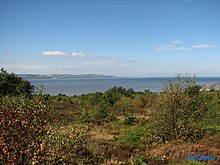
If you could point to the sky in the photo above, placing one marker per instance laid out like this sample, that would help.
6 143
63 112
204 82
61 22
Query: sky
127 38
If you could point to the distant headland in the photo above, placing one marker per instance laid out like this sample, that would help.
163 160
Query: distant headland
62 76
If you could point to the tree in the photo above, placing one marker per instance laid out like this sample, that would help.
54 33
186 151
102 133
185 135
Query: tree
115 93
11 84
178 112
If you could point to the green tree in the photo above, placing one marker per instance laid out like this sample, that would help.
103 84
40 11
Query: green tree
11 84
114 94
178 112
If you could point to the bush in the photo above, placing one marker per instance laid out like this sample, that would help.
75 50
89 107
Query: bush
68 145
124 105
97 114
26 139
179 112
212 122
113 95
22 129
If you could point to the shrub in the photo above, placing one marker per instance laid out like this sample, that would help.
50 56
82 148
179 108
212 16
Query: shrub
113 95
178 113
139 102
68 145
22 129
124 105
212 122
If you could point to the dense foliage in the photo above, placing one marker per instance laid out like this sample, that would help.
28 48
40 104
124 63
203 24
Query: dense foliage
180 111
22 129
11 84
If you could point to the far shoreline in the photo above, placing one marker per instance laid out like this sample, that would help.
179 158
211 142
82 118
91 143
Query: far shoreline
78 86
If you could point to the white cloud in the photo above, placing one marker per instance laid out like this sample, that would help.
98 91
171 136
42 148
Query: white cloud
202 46
53 53
172 47
80 55
73 54
166 48
175 47
177 41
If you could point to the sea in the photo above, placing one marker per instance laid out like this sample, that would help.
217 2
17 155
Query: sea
77 86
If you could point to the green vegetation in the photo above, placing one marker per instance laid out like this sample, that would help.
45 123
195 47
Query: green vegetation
11 84
23 131
180 112
119 126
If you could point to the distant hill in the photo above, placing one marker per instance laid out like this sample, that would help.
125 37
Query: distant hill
62 76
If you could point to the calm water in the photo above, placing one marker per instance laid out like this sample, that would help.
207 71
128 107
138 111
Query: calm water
83 86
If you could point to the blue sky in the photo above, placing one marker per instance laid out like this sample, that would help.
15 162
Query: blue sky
137 38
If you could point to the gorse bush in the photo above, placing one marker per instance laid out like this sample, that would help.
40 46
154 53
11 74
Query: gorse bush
22 129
